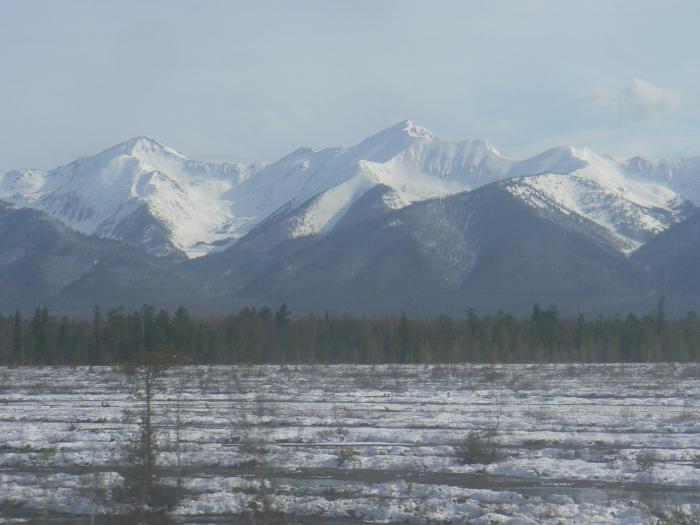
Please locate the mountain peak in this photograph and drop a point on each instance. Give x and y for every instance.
(485, 145)
(411, 129)
(406, 129)
(391, 141)
(581, 153)
(145, 144)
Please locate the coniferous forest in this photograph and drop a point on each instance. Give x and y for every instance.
(276, 336)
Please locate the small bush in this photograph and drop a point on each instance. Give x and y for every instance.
(477, 448)
(679, 516)
(645, 461)
(253, 449)
(10, 503)
(696, 461)
(347, 456)
(249, 464)
(491, 375)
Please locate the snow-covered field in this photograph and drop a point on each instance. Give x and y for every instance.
(352, 444)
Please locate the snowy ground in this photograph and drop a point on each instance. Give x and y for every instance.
(353, 444)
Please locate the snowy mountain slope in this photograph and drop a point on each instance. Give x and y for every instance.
(681, 175)
(415, 166)
(150, 195)
(633, 209)
(140, 191)
(313, 190)
(405, 157)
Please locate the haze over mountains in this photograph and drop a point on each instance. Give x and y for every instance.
(401, 221)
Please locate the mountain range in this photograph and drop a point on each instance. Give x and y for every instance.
(402, 221)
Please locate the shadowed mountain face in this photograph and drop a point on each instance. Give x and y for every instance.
(672, 259)
(44, 262)
(484, 249)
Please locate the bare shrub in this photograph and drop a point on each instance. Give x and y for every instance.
(679, 516)
(491, 374)
(542, 413)
(572, 371)
(685, 416)
(262, 507)
(477, 448)
(255, 455)
(347, 456)
(645, 462)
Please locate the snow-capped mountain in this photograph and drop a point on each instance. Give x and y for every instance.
(150, 195)
(633, 208)
(141, 192)
(681, 175)
(412, 165)
(318, 187)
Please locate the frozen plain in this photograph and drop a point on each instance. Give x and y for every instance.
(613, 443)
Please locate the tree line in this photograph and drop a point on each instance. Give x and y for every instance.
(263, 335)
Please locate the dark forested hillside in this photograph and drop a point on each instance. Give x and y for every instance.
(672, 258)
(44, 262)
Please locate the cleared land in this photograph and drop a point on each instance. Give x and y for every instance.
(349, 444)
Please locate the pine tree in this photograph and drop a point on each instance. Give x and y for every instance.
(182, 329)
(18, 338)
(404, 339)
(95, 356)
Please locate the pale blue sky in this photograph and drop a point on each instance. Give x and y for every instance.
(253, 80)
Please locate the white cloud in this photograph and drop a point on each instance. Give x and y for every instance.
(637, 100)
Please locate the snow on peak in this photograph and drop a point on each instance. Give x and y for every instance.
(400, 132)
(569, 152)
(144, 145)
(405, 128)
(412, 130)
(391, 141)
(485, 145)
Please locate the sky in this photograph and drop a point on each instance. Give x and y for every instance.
(253, 80)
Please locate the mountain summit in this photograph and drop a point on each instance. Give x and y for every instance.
(144, 146)
(406, 128)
